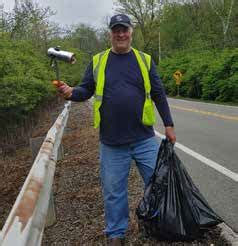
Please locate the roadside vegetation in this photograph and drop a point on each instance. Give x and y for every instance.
(197, 37)
(205, 75)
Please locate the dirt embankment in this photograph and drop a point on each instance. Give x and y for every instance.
(77, 194)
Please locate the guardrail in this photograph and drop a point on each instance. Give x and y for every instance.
(26, 221)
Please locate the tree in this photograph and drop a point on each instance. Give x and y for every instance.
(30, 22)
(84, 37)
(223, 9)
(1, 19)
(103, 38)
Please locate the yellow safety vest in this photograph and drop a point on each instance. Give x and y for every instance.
(99, 66)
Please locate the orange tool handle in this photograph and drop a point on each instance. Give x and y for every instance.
(57, 83)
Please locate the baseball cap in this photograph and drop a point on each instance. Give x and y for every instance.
(120, 19)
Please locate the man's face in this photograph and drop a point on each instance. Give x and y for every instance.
(121, 37)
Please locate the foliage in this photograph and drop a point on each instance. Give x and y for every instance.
(206, 75)
(29, 21)
(84, 38)
(24, 80)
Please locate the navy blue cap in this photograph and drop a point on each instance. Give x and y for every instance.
(120, 19)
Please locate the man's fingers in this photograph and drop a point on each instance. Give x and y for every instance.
(170, 134)
(65, 90)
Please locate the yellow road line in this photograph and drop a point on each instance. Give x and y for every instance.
(222, 116)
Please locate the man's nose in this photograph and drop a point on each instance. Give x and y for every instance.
(120, 33)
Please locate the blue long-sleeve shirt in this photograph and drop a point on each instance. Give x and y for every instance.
(123, 99)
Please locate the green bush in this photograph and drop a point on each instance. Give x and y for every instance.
(207, 75)
(24, 80)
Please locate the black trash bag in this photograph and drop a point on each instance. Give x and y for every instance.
(172, 207)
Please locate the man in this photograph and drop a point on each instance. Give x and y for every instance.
(124, 82)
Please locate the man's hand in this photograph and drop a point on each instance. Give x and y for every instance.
(64, 89)
(170, 134)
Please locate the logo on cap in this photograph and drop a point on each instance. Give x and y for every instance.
(119, 18)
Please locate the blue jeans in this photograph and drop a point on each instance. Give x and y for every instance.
(115, 162)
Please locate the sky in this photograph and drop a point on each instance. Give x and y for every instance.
(92, 12)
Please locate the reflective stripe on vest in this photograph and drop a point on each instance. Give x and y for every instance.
(99, 65)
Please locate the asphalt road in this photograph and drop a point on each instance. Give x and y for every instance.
(212, 132)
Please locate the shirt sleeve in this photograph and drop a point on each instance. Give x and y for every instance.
(86, 89)
(159, 97)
